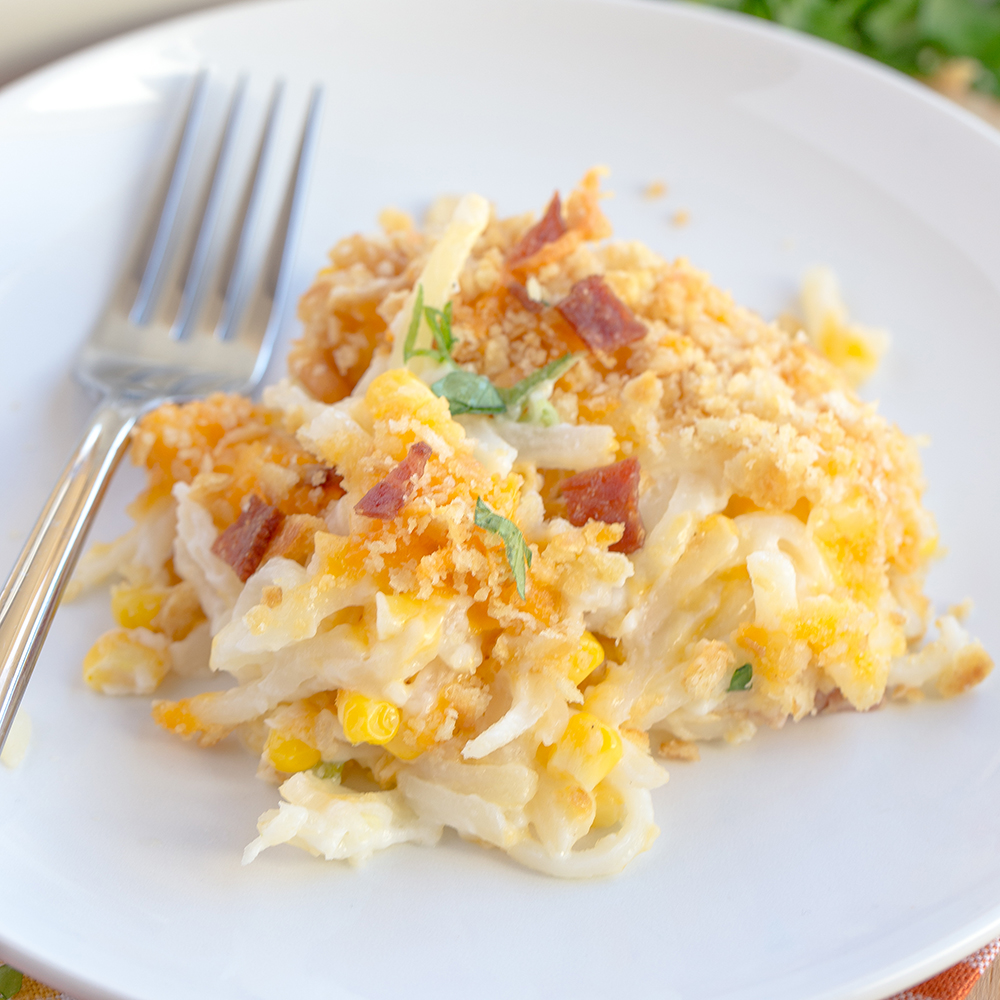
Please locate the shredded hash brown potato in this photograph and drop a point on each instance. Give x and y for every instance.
(432, 633)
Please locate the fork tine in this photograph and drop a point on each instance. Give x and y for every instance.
(234, 258)
(146, 266)
(263, 312)
(197, 254)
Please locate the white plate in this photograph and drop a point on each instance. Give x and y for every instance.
(845, 857)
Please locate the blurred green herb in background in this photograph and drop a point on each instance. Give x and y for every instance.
(915, 36)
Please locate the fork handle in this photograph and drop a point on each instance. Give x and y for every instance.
(30, 598)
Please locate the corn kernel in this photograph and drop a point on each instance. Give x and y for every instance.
(177, 717)
(367, 720)
(135, 607)
(120, 664)
(588, 750)
(290, 755)
(185, 718)
(586, 658)
(609, 806)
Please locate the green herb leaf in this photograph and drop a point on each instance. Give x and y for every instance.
(553, 370)
(518, 553)
(326, 770)
(439, 320)
(741, 678)
(468, 392)
(10, 982)
(411, 334)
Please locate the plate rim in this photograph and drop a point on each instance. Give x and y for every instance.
(696, 10)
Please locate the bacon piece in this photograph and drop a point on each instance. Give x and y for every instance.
(600, 318)
(385, 499)
(245, 541)
(609, 494)
(547, 230)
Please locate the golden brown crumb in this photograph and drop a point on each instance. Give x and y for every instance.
(903, 693)
(679, 750)
(971, 665)
(655, 189)
(179, 612)
(271, 596)
(227, 448)
(711, 662)
(962, 610)
(789, 323)
(681, 217)
(457, 708)
(710, 377)
(638, 737)
(392, 220)
(344, 313)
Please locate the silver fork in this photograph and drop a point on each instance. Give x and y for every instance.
(163, 336)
